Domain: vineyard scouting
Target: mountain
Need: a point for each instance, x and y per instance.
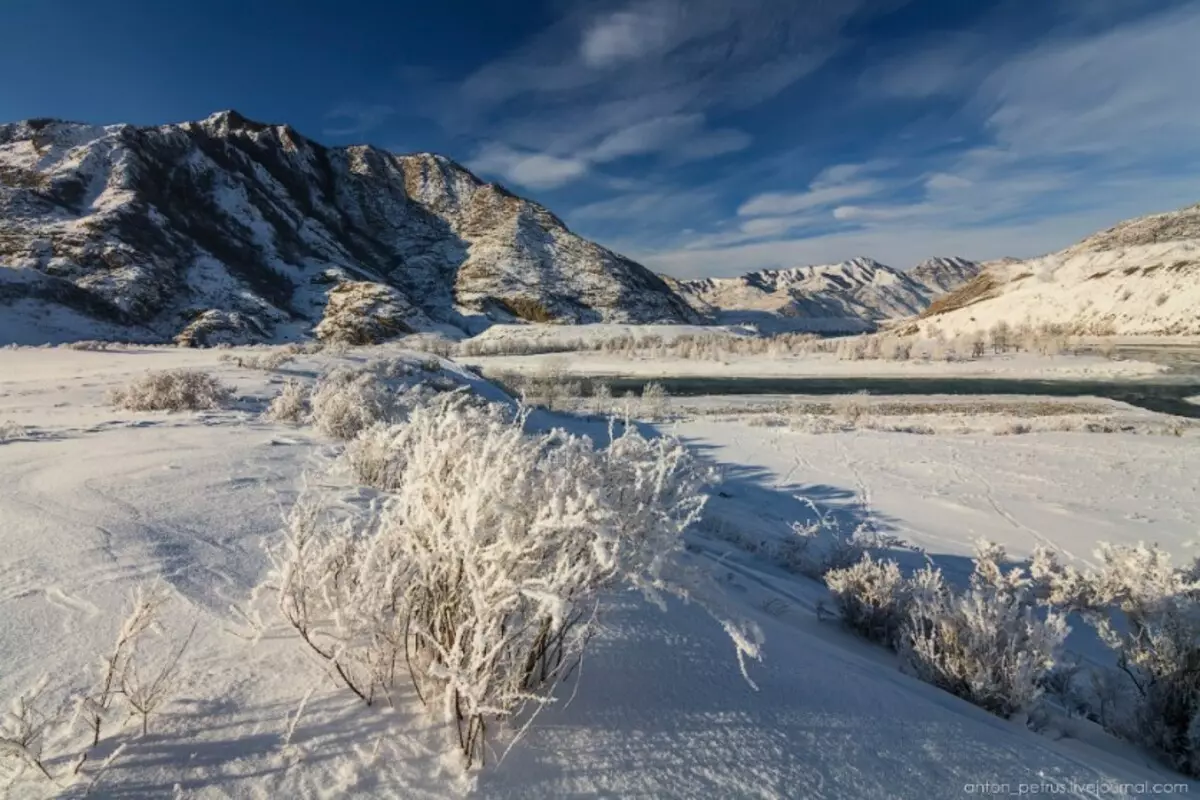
(847, 297)
(232, 230)
(1139, 277)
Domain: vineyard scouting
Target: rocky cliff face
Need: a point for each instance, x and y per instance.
(242, 230)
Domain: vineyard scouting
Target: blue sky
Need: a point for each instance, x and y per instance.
(702, 137)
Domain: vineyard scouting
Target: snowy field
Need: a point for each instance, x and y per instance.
(94, 501)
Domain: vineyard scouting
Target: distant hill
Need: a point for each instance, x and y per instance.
(1139, 277)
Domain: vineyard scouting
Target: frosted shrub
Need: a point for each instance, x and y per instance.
(131, 679)
(989, 644)
(291, 404)
(654, 401)
(10, 431)
(267, 361)
(602, 398)
(482, 572)
(172, 390)
(871, 597)
(346, 401)
(1157, 643)
(852, 407)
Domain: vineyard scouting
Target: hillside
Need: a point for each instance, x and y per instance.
(1141, 277)
(850, 296)
(231, 230)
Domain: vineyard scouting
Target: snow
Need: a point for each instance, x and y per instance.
(1141, 289)
(1016, 366)
(95, 500)
(1064, 490)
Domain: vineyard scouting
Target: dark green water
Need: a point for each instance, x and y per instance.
(1165, 396)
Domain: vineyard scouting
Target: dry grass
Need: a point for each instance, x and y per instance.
(981, 287)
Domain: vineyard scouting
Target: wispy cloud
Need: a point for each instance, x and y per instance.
(1097, 121)
(535, 170)
(609, 82)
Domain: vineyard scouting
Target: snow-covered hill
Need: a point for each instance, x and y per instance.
(1139, 277)
(229, 229)
(849, 296)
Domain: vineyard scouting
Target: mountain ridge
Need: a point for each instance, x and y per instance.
(845, 297)
(247, 226)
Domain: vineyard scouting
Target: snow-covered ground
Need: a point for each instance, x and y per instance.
(1069, 491)
(1016, 366)
(95, 500)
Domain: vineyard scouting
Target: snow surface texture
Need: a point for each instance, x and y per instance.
(95, 500)
(149, 229)
(848, 297)
(1139, 277)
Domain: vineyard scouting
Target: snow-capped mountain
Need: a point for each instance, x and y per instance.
(849, 296)
(228, 229)
(1139, 277)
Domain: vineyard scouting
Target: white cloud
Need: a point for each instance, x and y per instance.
(532, 170)
(630, 34)
(881, 213)
(1129, 93)
(646, 137)
(650, 65)
(945, 182)
(780, 203)
(653, 205)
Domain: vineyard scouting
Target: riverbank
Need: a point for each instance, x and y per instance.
(1011, 366)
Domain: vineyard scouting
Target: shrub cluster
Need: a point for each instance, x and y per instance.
(479, 578)
(172, 390)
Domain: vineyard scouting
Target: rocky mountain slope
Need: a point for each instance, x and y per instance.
(940, 275)
(850, 296)
(1141, 277)
(232, 230)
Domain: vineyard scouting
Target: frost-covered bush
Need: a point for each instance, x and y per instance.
(346, 401)
(11, 431)
(291, 404)
(852, 407)
(990, 644)
(433, 343)
(871, 596)
(172, 390)
(267, 361)
(654, 401)
(39, 736)
(481, 574)
(1156, 641)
